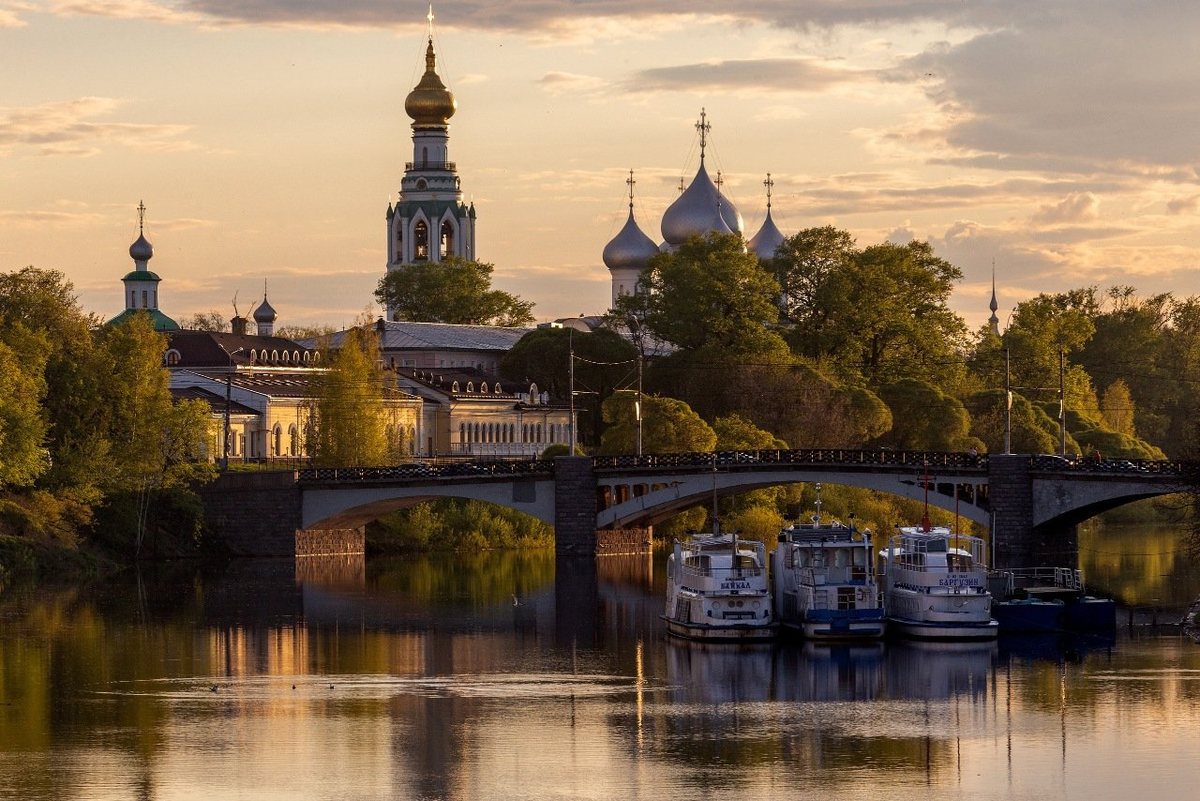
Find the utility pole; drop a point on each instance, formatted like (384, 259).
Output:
(1062, 408)
(1007, 402)
(639, 406)
(228, 400)
(571, 374)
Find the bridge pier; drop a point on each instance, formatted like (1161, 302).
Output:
(575, 492)
(258, 514)
(1010, 492)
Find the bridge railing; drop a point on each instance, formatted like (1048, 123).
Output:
(423, 470)
(806, 456)
(1099, 464)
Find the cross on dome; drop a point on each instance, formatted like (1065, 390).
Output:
(631, 182)
(703, 127)
(768, 184)
(141, 215)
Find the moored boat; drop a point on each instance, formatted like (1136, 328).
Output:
(717, 590)
(824, 582)
(1047, 599)
(935, 584)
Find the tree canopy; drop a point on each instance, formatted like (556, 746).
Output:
(454, 290)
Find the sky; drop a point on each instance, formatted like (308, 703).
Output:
(1055, 139)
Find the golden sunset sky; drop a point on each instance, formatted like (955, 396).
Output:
(1057, 138)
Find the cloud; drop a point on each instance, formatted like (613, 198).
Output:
(1183, 205)
(559, 83)
(1075, 207)
(39, 219)
(786, 74)
(65, 129)
(1109, 84)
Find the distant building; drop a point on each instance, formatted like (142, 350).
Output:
(405, 346)
(429, 221)
(469, 412)
(700, 209)
(141, 285)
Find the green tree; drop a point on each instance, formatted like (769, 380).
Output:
(1117, 408)
(604, 362)
(710, 295)
(348, 427)
(925, 418)
(876, 315)
(668, 426)
(22, 428)
(454, 290)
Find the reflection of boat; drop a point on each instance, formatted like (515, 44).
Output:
(935, 584)
(824, 582)
(829, 671)
(932, 671)
(717, 590)
(716, 674)
(1048, 599)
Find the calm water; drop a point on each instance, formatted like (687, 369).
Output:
(507, 677)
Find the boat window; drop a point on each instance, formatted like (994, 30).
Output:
(958, 562)
(839, 557)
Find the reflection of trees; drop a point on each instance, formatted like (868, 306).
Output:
(1139, 565)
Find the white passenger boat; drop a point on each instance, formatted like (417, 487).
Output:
(824, 582)
(935, 584)
(717, 590)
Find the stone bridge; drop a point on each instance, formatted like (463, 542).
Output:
(1030, 503)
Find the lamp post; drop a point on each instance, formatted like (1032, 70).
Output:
(228, 401)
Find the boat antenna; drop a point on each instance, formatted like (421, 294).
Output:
(925, 515)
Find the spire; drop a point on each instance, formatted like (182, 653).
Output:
(994, 321)
(141, 251)
(769, 237)
(703, 127)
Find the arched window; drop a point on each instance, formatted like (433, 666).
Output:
(424, 157)
(454, 387)
(307, 357)
(447, 239)
(539, 433)
(172, 357)
(483, 388)
(551, 428)
(277, 440)
(253, 356)
(286, 357)
(470, 386)
(421, 240)
(316, 357)
(293, 440)
(462, 432)
(274, 356)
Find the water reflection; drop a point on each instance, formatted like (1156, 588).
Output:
(513, 675)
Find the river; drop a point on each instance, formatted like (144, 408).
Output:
(506, 676)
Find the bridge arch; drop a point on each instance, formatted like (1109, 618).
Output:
(647, 502)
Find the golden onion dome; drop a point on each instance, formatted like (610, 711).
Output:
(430, 102)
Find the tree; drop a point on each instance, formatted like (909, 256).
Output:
(454, 290)
(348, 426)
(710, 295)
(876, 315)
(668, 426)
(1117, 409)
(211, 320)
(925, 418)
(22, 428)
(605, 362)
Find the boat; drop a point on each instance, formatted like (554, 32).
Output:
(717, 590)
(1047, 599)
(935, 584)
(824, 582)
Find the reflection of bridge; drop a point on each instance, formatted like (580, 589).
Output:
(1026, 500)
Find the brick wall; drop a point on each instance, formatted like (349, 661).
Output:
(574, 506)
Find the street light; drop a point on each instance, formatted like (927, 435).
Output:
(228, 401)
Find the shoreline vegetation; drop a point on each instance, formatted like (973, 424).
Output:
(825, 344)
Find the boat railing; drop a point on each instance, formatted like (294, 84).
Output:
(723, 573)
(1022, 577)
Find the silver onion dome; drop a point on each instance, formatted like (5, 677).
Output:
(141, 250)
(767, 240)
(630, 249)
(264, 313)
(699, 210)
